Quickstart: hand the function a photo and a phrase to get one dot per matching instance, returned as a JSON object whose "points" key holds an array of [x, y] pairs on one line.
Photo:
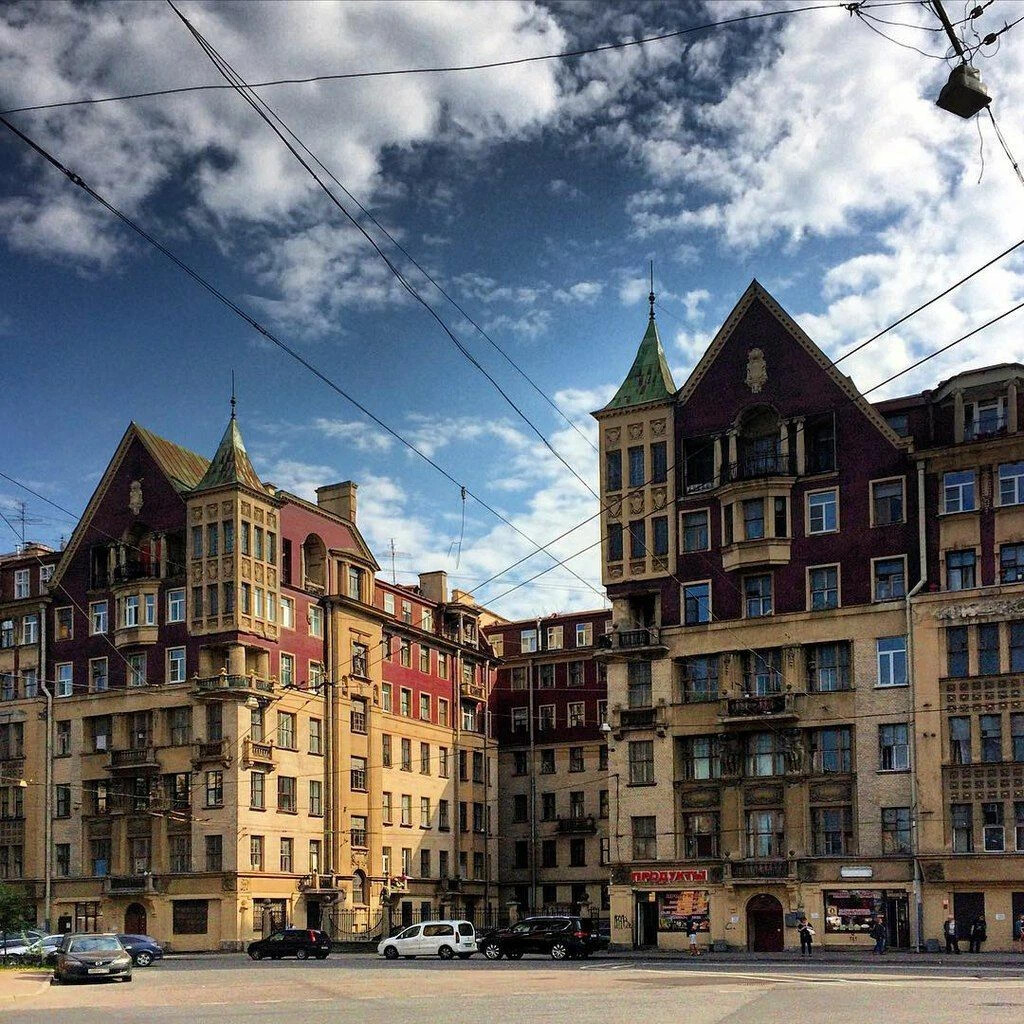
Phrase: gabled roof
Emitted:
{"points": [[649, 378], [230, 465], [183, 467], [756, 292]]}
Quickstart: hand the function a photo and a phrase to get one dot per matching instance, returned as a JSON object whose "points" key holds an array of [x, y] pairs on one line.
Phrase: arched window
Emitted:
{"points": [[314, 563], [360, 888], [760, 443]]}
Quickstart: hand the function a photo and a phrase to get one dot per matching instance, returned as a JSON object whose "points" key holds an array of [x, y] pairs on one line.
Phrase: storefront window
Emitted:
{"points": [[677, 909], [852, 910]]}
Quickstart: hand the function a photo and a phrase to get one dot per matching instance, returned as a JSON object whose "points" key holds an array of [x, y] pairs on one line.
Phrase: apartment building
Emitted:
{"points": [[760, 529], [548, 704]]}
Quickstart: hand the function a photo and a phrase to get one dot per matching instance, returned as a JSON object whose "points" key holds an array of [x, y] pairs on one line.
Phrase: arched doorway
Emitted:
{"points": [[764, 924], [135, 919]]}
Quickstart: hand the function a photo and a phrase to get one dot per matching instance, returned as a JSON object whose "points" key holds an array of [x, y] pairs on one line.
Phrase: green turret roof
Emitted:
{"points": [[649, 378], [231, 465]]}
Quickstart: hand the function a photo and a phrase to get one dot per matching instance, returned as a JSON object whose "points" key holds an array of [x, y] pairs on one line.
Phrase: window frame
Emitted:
{"points": [[874, 578], [683, 600], [770, 577], [811, 569], [706, 512], [873, 519], [808, 531], [947, 488]]}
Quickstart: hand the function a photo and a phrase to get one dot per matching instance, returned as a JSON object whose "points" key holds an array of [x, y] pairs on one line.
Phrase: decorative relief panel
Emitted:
{"points": [[704, 797], [613, 435], [615, 572], [246, 567], [638, 567], [197, 572], [636, 431], [258, 572], [831, 792], [615, 508], [257, 515], [246, 508], [659, 496], [197, 513], [967, 783], [211, 570], [636, 504], [658, 428], [761, 796], [211, 511], [1007, 608], [272, 520], [981, 694], [225, 508], [272, 577], [660, 562]]}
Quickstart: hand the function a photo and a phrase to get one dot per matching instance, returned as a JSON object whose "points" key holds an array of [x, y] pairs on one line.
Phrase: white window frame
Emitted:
{"points": [[427, 620], [584, 634], [576, 714], [958, 490], [389, 603], [682, 528], [287, 613], [30, 635], [92, 675], [22, 584], [45, 575], [149, 609], [839, 586], [56, 622], [315, 619], [521, 719], [65, 672], [902, 481], [554, 638], [1017, 483], [130, 603], [888, 656], [682, 602], [542, 715], [888, 558], [528, 641], [135, 678], [289, 659], [176, 600], [175, 657], [771, 598], [809, 507]]}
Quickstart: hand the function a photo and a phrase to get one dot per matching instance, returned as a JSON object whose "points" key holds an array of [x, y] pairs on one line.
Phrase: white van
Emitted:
{"points": [[431, 938]]}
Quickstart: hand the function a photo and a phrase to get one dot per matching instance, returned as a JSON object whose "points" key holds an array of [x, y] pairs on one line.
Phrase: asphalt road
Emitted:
{"points": [[233, 990]]}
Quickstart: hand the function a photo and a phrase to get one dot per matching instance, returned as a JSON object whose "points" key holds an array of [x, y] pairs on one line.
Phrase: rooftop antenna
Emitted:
{"points": [[394, 553], [650, 298]]}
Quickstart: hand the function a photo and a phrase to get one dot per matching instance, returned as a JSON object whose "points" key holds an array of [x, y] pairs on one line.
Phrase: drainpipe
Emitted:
{"points": [[917, 938], [457, 772], [487, 796], [47, 776], [534, 669]]}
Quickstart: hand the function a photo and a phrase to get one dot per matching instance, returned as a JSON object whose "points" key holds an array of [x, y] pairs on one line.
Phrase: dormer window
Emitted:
{"points": [[984, 418]]}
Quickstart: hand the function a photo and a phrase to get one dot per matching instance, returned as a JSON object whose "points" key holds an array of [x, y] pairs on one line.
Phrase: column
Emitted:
{"points": [[958, 416], [1011, 406], [718, 462], [801, 446], [733, 455], [784, 444]]}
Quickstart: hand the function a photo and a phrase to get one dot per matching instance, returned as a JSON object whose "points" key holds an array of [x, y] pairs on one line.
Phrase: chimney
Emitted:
{"points": [[434, 586], [339, 499]]}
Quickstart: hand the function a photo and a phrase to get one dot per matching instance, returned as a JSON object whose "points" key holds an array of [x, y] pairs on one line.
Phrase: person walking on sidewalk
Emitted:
{"points": [[691, 932], [806, 936], [1018, 932], [978, 934], [949, 930], [880, 934]]}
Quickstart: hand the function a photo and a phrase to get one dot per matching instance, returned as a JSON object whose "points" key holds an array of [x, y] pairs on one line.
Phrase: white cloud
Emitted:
{"points": [[563, 190], [356, 434], [583, 291]]}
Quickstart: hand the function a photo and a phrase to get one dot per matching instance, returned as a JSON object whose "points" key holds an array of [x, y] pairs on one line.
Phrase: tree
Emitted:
{"points": [[14, 912]]}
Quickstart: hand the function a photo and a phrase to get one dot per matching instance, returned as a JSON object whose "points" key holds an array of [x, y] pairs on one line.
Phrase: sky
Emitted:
{"points": [[802, 149]]}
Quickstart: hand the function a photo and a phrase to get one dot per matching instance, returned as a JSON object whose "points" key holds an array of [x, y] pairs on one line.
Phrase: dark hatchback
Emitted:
{"points": [[561, 938], [142, 949], [303, 943]]}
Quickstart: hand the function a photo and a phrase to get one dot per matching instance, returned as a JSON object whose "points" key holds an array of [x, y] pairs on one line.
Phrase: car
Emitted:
{"points": [[14, 944], [42, 952], [444, 939], [560, 937], [91, 957], [302, 943], [142, 949]]}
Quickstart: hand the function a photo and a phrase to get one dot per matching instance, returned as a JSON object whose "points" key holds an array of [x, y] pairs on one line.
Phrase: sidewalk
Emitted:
{"points": [[17, 984], [829, 955]]}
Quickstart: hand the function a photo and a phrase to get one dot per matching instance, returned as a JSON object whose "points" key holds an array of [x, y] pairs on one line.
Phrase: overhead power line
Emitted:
{"points": [[442, 69]]}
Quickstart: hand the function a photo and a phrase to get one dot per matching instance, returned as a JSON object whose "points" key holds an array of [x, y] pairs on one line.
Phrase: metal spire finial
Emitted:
{"points": [[233, 400], [650, 298]]}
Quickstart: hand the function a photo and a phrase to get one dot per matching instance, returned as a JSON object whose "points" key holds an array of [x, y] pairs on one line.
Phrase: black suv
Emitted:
{"points": [[302, 943], [563, 938]]}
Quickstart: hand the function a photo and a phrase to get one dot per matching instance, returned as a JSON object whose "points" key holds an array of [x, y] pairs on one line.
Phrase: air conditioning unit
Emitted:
{"points": [[101, 742]]}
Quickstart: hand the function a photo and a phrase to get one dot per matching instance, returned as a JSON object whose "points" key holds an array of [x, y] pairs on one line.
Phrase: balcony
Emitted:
{"points": [[122, 885], [212, 751], [621, 643], [584, 824], [474, 690], [635, 719], [317, 882], [133, 759], [776, 707], [759, 467], [758, 871], [762, 551], [132, 571], [233, 687], [258, 754]]}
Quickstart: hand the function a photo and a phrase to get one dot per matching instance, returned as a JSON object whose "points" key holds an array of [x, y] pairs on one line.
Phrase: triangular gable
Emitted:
{"points": [[181, 467], [757, 292]]}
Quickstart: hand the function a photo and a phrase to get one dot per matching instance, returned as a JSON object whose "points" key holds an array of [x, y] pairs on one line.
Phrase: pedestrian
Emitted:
{"points": [[806, 937], [691, 932], [880, 934], [978, 935], [1019, 932], [949, 930]]}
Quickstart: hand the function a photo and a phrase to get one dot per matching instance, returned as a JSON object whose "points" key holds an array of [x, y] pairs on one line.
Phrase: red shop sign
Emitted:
{"points": [[669, 877]]}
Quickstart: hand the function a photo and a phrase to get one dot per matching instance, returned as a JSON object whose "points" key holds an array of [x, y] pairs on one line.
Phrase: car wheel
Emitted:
{"points": [[515, 954], [255, 954], [559, 951], [446, 952], [301, 954], [492, 951], [143, 959], [390, 953]]}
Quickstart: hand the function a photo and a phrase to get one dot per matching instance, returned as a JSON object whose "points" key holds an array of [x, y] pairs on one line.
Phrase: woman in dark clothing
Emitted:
{"points": [[978, 934], [806, 937]]}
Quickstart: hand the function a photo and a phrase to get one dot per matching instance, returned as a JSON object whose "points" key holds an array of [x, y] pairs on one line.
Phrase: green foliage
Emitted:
{"points": [[15, 911]]}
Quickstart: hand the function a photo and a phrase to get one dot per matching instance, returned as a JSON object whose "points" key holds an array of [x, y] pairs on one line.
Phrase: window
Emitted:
{"points": [[1011, 483], [45, 575], [960, 739], [645, 838], [700, 836], [63, 738], [425, 759], [181, 726], [229, 598], [287, 670], [316, 676], [554, 637], [765, 755], [548, 810], [983, 418], [212, 594], [832, 830], [988, 648], [659, 462], [386, 808], [575, 673], [444, 822], [577, 762], [357, 774], [357, 833], [406, 805], [316, 620], [757, 595], [893, 747], [97, 617], [696, 603], [584, 634], [701, 757], [890, 577], [613, 471], [405, 702], [828, 667], [406, 753], [546, 720], [65, 680], [993, 830], [962, 819], [1017, 736], [639, 693], [1011, 563], [577, 714], [766, 834], [286, 730], [442, 666], [64, 623], [641, 762], [405, 654], [176, 665], [528, 641], [831, 750], [257, 790], [520, 811], [98, 679], [386, 700], [823, 511], [824, 587], [637, 538], [762, 672], [189, 917], [287, 854], [547, 676], [695, 531], [424, 659], [956, 652], [614, 542], [886, 502], [427, 620], [753, 518], [958, 491], [21, 583], [520, 719], [892, 660], [1018, 825], [699, 678], [1017, 646], [895, 830], [960, 570], [659, 528], [636, 466], [424, 812], [214, 789], [316, 798], [547, 761], [130, 611], [577, 852], [62, 801], [287, 613], [991, 728]]}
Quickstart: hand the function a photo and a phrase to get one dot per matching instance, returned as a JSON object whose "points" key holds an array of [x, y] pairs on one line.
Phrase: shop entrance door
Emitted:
{"points": [[897, 920], [135, 919], [764, 924], [646, 923], [966, 907], [314, 914]]}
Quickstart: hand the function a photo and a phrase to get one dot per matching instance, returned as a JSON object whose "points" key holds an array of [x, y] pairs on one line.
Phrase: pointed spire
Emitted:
{"points": [[650, 298], [231, 465], [233, 403], [649, 378]]}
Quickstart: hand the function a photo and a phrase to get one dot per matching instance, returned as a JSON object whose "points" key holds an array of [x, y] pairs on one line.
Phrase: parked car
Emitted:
{"points": [[90, 957], [561, 937], [42, 952], [142, 949], [301, 943], [445, 939], [14, 944]]}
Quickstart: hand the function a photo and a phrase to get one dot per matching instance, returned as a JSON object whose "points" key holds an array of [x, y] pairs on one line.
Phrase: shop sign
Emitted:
{"points": [[856, 871], [677, 909], [669, 877]]}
